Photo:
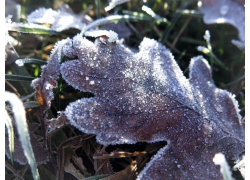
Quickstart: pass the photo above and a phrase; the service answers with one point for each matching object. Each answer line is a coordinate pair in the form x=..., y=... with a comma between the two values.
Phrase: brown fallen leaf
x=67, y=159
x=124, y=174
x=44, y=89
x=102, y=165
x=144, y=96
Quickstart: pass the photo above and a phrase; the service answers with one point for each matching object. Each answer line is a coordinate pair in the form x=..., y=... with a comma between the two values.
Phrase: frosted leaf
x=112, y=36
x=144, y=96
x=61, y=20
x=42, y=15
x=114, y=3
x=45, y=84
x=56, y=123
x=67, y=21
x=226, y=11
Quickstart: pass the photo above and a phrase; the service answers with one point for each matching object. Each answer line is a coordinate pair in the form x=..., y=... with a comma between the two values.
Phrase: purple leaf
x=46, y=83
x=144, y=96
x=226, y=11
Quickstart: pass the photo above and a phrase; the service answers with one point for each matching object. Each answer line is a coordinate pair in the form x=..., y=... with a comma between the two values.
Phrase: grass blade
x=219, y=159
x=22, y=128
x=20, y=62
x=11, y=136
x=12, y=77
x=30, y=104
x=30, y=28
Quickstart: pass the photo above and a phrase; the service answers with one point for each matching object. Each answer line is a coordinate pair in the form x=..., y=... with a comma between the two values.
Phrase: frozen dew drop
x=19, y=62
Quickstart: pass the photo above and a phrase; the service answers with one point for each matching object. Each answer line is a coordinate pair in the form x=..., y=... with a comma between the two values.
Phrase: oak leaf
x=144, y=96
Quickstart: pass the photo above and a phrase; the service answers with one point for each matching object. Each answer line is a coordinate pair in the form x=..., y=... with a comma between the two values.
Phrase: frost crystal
x=207, y=36
x=114, y=3
x=144, y=96
x=42, y=15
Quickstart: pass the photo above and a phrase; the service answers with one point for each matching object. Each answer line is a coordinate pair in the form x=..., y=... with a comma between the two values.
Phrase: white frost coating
x=148, y=10
x=71, y=116
x=114, y=3
x=19, y=62
x=67, y=49
x=16, y=26
x=182, y=93
x=110, y=34
x=42, y=15
x=66, y=21
x=60, y=20
x=219, y=159
x=48, y=86
x=236, y=104
x=207, y=36
x=152, y=160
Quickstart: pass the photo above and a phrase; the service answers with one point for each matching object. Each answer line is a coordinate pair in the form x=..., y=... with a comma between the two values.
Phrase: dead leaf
x=60, y=20
x=226, y=11
x=70, y=168
x=44, y=88
x=124, y=174
x=144, y=96
x=102, y=166
x=66, y=151
x=56, y=123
